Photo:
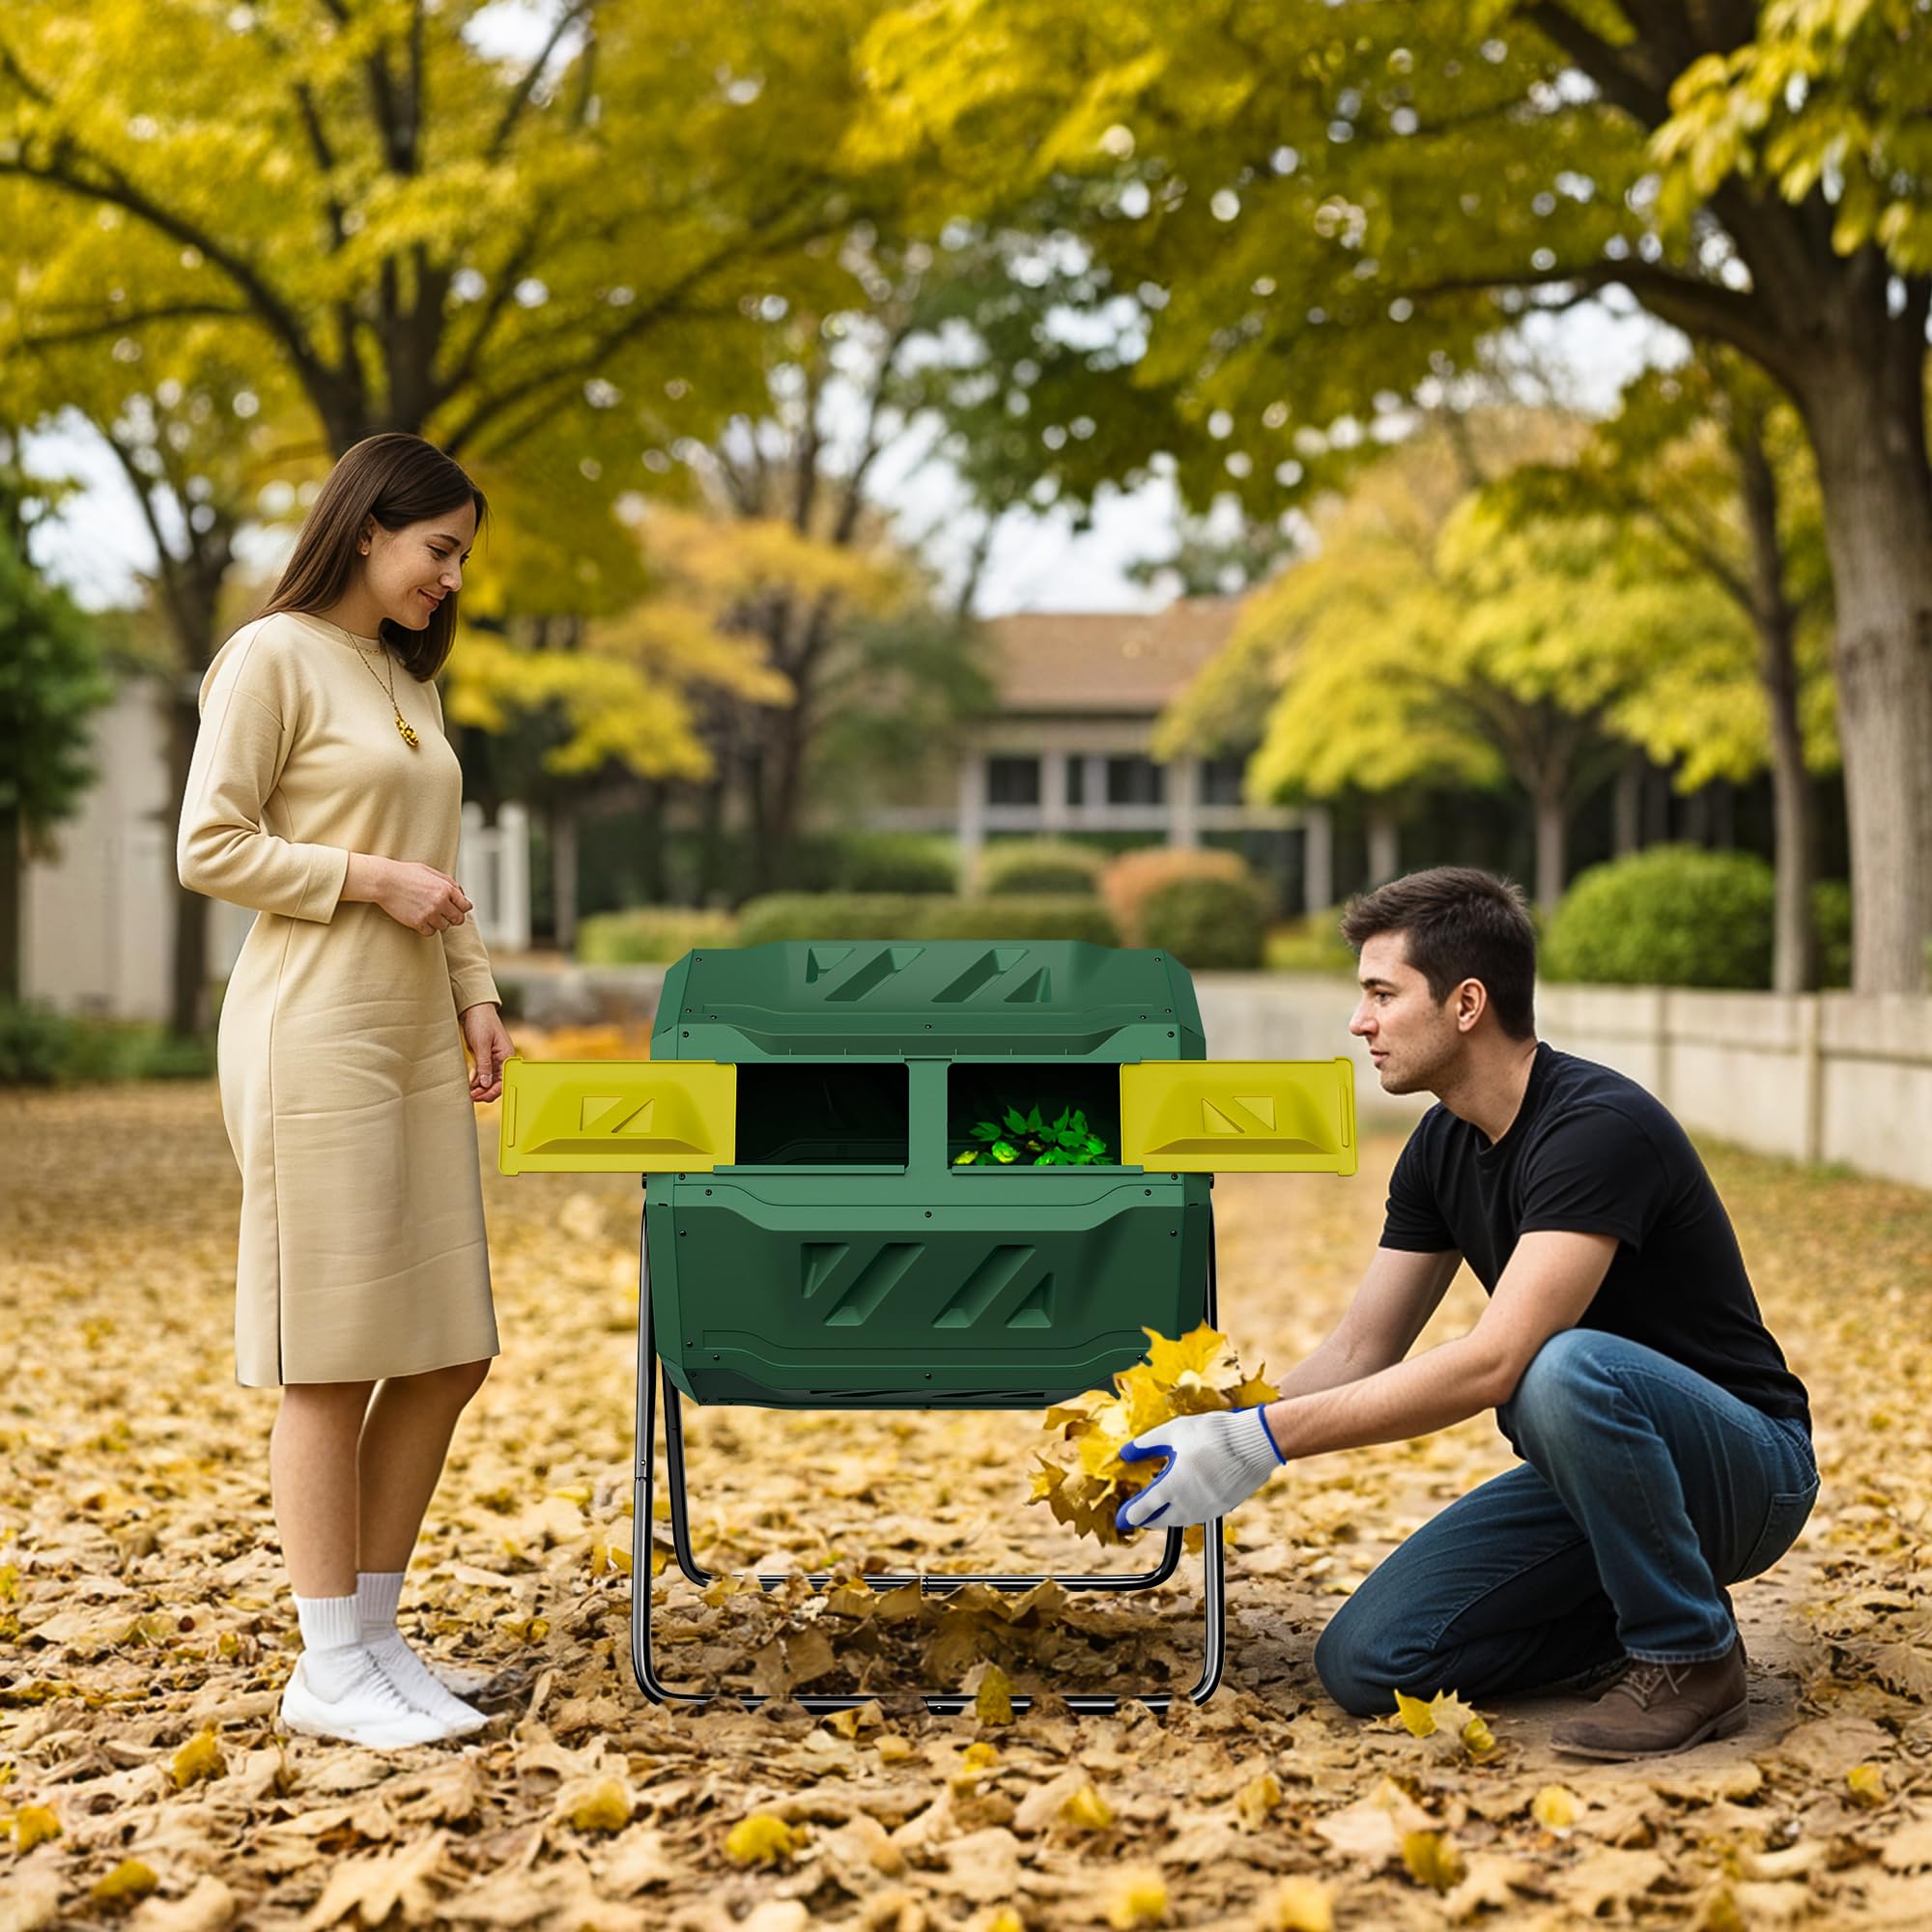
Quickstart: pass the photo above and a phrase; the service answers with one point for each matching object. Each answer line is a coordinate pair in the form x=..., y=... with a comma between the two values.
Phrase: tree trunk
x=563, y=875
x=1627, y=807
x=1553, y=833
x=187, y=986
x=1866, y=421
x=1793, y=965
x=10, y=881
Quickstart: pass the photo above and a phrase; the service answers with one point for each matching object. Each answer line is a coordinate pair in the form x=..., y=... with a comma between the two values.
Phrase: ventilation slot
x=885, y=964
x=982, y=1287
x=880, y=1277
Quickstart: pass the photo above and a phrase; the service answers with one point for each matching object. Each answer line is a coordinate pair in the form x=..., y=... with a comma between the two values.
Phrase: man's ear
x=1472, y=1002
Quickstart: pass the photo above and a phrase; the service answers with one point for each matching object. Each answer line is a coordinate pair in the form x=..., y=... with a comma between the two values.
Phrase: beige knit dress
x=343, y=1081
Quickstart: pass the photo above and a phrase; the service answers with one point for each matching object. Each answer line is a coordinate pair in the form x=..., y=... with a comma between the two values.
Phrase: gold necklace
x=403, y=725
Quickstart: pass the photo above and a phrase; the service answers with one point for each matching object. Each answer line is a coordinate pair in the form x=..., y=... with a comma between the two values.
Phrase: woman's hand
x=417, y=897
x=489, y=1048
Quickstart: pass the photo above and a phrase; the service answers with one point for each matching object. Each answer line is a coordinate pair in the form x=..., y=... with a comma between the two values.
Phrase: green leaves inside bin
x=1026, y=1140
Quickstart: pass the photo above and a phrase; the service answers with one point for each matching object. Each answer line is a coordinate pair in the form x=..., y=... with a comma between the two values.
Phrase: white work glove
x=1214, y=1462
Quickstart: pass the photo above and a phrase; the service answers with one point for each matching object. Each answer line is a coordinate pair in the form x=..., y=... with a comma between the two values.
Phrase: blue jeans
x=1644, y=1489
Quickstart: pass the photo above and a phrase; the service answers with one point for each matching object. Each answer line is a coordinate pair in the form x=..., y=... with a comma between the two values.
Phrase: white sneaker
x=369, y=1709
x=465, y=1682
x=420, y=1686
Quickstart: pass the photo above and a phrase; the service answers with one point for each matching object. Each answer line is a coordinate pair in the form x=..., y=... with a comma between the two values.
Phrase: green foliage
x=1209, y=924
x=892, y=862
x=1673, y=916
x=921, y=916
x=1832, y=920
x=1133, y=877
x=43, y=1048
x=1313, y=944
x=653, y=935
x=51, y=682
x=1025, y=1139
x=1040, y=866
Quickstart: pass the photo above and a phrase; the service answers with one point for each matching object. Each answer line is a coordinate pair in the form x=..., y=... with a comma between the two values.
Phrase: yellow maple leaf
x=1418, y=1715
x=1192, y=1355
x=197, y=1759
x=979, y=1755
x=34, y=1824
x=129, y=1880
x=1556, y=1807
x=1139, y=1898
x=893, y=1749
x=1087, y=1810
x=1257, y=1798
x=604, y=1806
x=1300, y=1905
x=1867, y=1785
x=993, y=1701
x=1432, y=1859
x=762, y=1840
x=1478, y=1740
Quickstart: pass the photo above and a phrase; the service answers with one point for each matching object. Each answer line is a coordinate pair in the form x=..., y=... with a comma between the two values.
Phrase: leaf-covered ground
x=145, y=1631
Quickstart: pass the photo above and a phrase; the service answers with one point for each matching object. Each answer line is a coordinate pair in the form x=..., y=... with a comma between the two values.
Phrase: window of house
x=1135, y=782
x=1076, y=780
x=1221, y=781
x=1012, y=781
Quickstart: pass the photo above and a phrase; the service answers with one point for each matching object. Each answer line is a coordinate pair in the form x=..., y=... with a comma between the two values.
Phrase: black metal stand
x=1215, y=1593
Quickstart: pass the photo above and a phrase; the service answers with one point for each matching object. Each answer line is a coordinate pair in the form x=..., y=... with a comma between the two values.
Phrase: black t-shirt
x=1592, y=1153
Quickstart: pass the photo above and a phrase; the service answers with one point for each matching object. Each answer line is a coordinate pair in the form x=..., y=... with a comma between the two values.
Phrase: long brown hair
x=397, y=480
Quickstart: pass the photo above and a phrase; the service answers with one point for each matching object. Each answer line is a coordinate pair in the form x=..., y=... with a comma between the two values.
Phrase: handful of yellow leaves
x=1080, y=1475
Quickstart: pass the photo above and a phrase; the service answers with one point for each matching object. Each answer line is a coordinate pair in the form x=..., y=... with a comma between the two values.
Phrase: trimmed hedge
x=43, y=1048
x=1134, y=877
x=922, y=915
x=1210, y=925
x=1311, y=944
x=1045, y=866
x=651, y=936
x=1677, y=916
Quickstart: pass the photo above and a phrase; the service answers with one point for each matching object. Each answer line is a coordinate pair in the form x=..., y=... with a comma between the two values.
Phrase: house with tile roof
x=1066, y=749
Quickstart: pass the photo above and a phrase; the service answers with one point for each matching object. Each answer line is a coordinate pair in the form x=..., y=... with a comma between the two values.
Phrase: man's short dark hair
x=1457, y=924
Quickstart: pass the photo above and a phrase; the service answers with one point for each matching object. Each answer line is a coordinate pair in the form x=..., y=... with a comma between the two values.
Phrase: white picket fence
x=98, y=917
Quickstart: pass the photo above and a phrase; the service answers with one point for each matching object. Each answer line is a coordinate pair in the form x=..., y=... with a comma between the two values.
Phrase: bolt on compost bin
x=919, y=1175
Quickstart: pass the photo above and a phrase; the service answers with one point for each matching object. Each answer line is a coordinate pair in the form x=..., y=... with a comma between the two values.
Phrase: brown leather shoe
x=1654, y=1709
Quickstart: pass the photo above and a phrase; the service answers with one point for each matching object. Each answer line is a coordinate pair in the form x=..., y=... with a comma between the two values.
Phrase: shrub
x=35, y=1045
x=921, y=916
x=1311, y=944
x=1053, y=866
x=1209, y=924
x=1134, y=876
x=43, y=1048
x=653, y=935
x=896, y=862
x=1831, y=914
x=1673, y=916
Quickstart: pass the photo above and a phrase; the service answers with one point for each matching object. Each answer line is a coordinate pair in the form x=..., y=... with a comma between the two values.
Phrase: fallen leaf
x=762, y=1840
x=1432, y=1859
x=1138, y=1898
x=1300, y=1905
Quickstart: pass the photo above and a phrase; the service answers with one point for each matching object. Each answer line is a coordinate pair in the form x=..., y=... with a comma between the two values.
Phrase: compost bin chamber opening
x=979, y=1094
x=849, y=1114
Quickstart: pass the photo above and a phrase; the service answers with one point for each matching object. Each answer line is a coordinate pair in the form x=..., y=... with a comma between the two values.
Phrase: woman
x=325, y=795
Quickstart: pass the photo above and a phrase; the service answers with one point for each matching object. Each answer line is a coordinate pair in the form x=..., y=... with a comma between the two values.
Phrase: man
x=1666, y=1447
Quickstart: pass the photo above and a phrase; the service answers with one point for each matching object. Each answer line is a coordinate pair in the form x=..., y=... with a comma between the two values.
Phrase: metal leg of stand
x=644, y=1665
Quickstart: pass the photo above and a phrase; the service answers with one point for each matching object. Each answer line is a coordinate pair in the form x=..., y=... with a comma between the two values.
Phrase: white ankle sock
x=331, y=1632
x=377, y=1594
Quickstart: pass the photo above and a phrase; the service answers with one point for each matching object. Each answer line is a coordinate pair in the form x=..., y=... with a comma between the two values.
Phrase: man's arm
x=1551, y=1279
x=1398, y=1295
